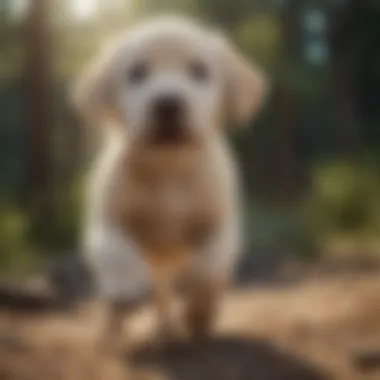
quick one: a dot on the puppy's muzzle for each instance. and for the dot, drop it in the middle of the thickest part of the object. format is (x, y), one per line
(168, 124)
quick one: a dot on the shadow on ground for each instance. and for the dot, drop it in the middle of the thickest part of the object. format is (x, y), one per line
(226, 359)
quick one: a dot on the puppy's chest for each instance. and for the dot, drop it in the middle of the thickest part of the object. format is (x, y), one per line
(169, 208)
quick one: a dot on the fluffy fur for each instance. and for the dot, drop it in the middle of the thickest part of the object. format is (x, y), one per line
(158, 214)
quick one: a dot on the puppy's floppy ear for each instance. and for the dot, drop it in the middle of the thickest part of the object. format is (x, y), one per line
(94, 93)
(246, 84)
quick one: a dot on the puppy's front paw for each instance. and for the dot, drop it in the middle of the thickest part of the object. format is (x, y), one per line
(201, 310)
(199, 323)
(165, 334)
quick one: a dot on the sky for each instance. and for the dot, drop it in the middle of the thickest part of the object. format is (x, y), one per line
(81, 10)
(84, 9)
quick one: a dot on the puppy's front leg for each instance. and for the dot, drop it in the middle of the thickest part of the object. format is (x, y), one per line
(115, 313)
(201, 307)
(208, 279)
(163, 297)
(163, 301)
(121, 278)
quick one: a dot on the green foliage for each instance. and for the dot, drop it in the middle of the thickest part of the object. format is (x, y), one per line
(60, 233)
(280, 228)
(24, 243)
(345, 201)
(68, 215)
(16, 253)
(261, 36)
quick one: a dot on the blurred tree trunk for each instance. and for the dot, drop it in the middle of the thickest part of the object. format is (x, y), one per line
(39, 108)
(287, 158)
(4, 10)
(344, 86)
(285, 103)
(290, 27)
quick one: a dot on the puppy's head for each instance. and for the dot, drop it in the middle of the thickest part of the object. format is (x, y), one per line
(170, 80)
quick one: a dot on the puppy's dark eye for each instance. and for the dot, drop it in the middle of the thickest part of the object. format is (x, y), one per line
(138, 73)
(199, 71)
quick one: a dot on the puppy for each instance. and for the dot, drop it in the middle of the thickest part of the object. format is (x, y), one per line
(163, 198)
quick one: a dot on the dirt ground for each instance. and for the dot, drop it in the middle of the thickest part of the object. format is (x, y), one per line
(309, 331)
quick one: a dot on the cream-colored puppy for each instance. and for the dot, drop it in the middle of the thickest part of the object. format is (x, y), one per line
(163, 202)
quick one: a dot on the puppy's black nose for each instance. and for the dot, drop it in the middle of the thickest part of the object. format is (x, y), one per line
(168, 120)
(168, 109)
